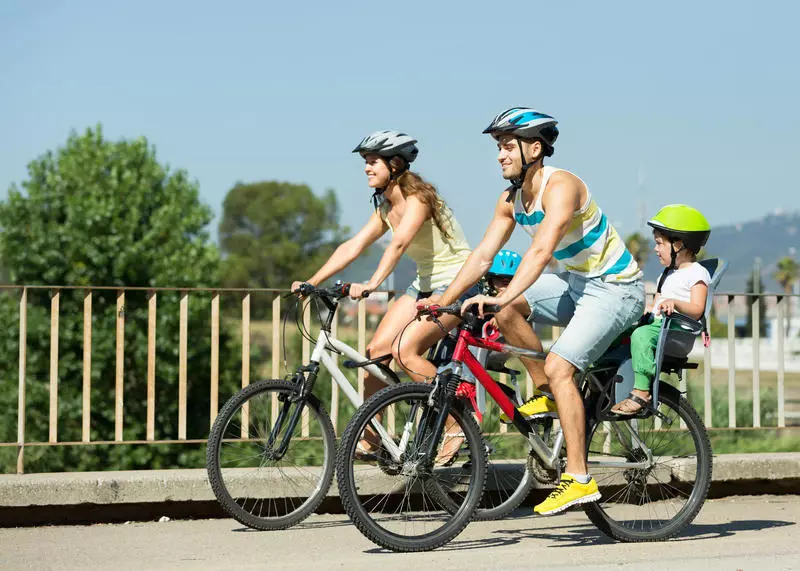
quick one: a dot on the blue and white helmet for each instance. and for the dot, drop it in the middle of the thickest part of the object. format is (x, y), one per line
(389, 144)
(505, 263)
(525, 123)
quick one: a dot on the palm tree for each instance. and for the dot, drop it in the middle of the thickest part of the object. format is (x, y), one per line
(639, 247)
(787, 272)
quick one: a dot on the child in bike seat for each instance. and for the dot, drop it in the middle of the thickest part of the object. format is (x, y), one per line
(680, 232)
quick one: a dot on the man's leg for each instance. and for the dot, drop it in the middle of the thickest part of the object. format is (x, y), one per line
(513, 324)
(571, 414)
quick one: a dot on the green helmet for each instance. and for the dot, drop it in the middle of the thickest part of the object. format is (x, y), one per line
(684, 223)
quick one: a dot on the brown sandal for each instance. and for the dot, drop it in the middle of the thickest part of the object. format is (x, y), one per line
(624, 407)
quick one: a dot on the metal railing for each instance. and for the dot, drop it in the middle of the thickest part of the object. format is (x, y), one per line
(185, 335)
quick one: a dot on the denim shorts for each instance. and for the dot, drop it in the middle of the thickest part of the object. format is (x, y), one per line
(418, 295)
(593, 311)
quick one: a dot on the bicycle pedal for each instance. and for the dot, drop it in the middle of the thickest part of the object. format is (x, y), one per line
(541, 416)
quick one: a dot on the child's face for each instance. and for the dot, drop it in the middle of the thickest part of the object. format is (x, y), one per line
(499, 283)
(663, 248)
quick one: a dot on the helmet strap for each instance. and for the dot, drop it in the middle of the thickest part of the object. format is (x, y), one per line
(516, 183)
(672, 265)
(377, 197)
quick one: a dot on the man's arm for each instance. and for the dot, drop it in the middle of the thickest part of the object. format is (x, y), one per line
(560, 203)
(480, 260)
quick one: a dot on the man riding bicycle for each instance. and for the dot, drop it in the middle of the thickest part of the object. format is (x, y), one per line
(597, 293)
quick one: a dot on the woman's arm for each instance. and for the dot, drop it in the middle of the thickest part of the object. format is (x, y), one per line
(414, 217)
(348, 251)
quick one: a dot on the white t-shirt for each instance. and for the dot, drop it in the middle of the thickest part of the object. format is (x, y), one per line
(678, 283)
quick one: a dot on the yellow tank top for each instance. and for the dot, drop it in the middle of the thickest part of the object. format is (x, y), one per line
(438, 258)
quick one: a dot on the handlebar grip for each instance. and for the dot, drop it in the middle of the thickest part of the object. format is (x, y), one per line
(491, 308)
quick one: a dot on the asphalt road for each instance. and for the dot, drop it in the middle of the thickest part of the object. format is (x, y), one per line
(736, 533)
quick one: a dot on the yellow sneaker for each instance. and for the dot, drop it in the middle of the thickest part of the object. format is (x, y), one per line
(539, 405)
(569, 492)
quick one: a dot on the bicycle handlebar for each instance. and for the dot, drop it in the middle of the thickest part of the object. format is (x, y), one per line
(454, 309)
(338, 290)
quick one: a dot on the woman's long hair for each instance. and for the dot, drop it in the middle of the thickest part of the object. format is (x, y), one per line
(412, 184)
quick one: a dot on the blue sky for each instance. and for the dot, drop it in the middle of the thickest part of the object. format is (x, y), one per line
(690, 102)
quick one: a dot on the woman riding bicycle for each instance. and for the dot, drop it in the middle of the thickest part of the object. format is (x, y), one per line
(422, 226)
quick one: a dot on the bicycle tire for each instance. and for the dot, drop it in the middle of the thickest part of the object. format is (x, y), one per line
(639, 490)
(508, 484)
(281, 511)
(373, 529)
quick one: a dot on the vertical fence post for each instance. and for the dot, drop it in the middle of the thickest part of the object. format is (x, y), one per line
(120, 366)
(54, 308)
(23, 340)
(87, 367)
(306, 358)
(731, 365)
(756, 361)
(362, 341)
(183, 321)
(781, 332)
(214, 396)
(276, 351)
(151, 365)
(245, 361)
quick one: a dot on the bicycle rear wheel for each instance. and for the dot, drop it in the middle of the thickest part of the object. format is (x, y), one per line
(394, 501)
(657, 502)
(256, 482)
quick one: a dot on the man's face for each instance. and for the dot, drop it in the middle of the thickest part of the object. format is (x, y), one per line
(509, 157)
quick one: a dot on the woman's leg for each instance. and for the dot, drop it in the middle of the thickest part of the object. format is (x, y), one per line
(399, 315)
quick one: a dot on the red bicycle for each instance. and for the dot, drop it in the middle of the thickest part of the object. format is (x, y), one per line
(653, 470)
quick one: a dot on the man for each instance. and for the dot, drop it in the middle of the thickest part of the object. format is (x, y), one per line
(597, 294)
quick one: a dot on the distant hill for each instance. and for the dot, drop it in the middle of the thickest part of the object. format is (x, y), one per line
(769, 238)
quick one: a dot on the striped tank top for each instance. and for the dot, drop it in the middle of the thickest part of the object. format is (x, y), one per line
(591, 247)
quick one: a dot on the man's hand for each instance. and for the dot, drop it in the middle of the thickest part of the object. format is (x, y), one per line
(481, 301)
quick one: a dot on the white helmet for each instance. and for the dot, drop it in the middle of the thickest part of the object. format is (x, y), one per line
(525, 123)
(389, 144)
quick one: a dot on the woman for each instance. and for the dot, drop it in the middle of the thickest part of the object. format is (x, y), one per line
(423, 227)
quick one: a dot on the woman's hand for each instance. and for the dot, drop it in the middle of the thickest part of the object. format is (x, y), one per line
(357, 291)
(296, 286)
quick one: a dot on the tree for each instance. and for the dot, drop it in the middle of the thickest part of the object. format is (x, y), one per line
(97, 212)
(787, 272)
(273, 233)
(762, 307)
(639, 247)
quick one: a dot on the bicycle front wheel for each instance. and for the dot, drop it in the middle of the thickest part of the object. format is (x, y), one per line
(658, 499)
(393, 495)
(270, 459)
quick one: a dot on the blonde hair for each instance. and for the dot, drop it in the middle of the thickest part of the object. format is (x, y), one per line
(412, 184)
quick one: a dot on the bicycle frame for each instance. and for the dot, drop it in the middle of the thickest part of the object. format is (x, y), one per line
(462, 356)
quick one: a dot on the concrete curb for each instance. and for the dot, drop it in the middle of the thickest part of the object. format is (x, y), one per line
(67, 497)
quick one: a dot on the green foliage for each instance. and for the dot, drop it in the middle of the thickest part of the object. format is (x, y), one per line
(639, 247)
(273, 233)
(97, 212)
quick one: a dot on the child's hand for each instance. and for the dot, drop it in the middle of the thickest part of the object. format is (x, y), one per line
(666, 306)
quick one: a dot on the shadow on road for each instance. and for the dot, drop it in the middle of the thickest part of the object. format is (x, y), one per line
(726, 529)
(587, 534)
(304, 525)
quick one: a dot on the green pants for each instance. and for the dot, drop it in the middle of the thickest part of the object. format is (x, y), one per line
(643, 354)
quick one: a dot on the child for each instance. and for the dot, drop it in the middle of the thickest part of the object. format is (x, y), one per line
(680, 232)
